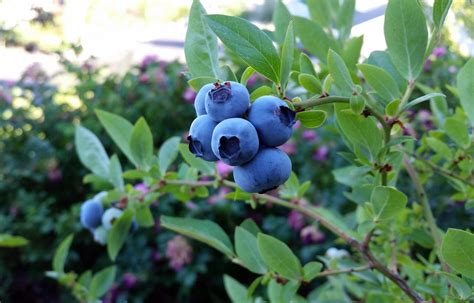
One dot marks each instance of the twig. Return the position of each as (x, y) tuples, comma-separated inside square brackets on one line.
[(363, 249), (343, 271), (316, 101), (426, 208)]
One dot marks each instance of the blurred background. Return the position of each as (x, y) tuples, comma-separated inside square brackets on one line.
[(60, 60)]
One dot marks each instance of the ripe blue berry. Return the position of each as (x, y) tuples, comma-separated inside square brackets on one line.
[(235, 141), (227, 100), (273, 120), (199, 101), (91, 213), (200, 136), (270, 168), (110, 215)]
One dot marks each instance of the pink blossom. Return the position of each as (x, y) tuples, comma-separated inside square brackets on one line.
[(189, 95), (289, 148), (54, 174), (129, 280), (219, 196), (144, 79), (179, 252), (309, 135), (149, 59), (295, 220), (251, 81), (297, 124), (427, 65), (223, 169), (440, 51), (310, 234), (191, 205), (321, 154), (142, 187)]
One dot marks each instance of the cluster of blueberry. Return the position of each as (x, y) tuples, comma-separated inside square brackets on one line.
[(98, 221), (221, 131)]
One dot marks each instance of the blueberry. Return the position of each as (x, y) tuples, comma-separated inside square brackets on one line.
[(227, 100), (235, 141), (110, 215), (200, 136), (91, 213), (273, 120), (270, 168), (100, 235), (199, 101)]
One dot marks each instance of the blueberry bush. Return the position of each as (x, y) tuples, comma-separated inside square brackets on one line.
[(394, 249)]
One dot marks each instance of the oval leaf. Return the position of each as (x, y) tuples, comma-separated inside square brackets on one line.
[(61, 254), (250, 43), (101, 282), (91, 152), (141, 144), (406, 36), (202, 230), (310, 83), (7, 240), (247, 251), (340, 73), (465, 84), (387, 202), (312, 118), (457, 250), (380, 81), (279, 257), (168, 153), (118, 233), (287, 54)]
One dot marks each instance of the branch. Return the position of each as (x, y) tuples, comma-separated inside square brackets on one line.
[(440, 170), (320, 100), (426, 207), (360, 247), (343, 271)]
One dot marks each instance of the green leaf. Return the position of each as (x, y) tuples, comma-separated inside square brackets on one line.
[(118, 128), (251, 226), (457, 250), (422, 99), (313, 38), (335, 219), (198, 163), (406, 36), (310, 83), (198, 82), (7, 240), (102, 281), (247, 251), (312, 118), (382, 59), (85, 278), (144, 217), (306, 65), (236, 291), (357, 104), (340, 73), (61, 254), (261, 91), (200, 46), (279, 293), (387, 202), (439, 147), (281, 19), (457, 130), (118, 233), (141, 144), (202, 230), (115, 173), (248, 72), (311, 270), (320, 11), (228, 74), (168, 153), (392, 108), (287, 53), (380, 81), (440, 11), (250, 43), (254, 286), (359, 130), (462, 288), (469, 204), (351, 52), (279, 257), (465, 84), (344, 19), (91, 152)]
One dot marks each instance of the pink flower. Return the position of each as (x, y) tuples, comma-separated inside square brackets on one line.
[(321, 154), (219, 196), (309, 135), (144, 79), (310, 234), (295, 220), (440, 51), (129, 280), (289, 147), (223, 169), (191, 205), (251, 81), (179, 252), (155, 256), (427, 65), (452, 69), (148, 60), (189, 95), (54, 174), (142, 187), (297, 124)]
